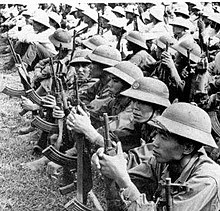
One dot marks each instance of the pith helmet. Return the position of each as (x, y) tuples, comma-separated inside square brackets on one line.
[(81, 56), (188, 121), (150, 90), (54, 16), (140, 38), (61, 36), (91, 13), (119, 10), (195, 50), (181, 22), (163, 40), (131, 9), (41, 17), (95, 41), (157, 12), (126, 71), (184, 11), (105, 54)]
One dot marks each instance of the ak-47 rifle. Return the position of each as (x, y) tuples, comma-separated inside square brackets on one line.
[(135, 21), (12, 50), (74, 44), (59, 101), (13, 92), (45, 126), (170, 188), (113, 199)]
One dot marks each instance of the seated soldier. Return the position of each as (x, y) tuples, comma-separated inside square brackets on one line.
[(149, 98), (177, 153), (140, 45), (102, 57), (122, 76), (39, 45)]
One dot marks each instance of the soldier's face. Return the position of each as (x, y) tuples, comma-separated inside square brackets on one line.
[(82, 70), (166, 148), (142, 111), (115, 85)]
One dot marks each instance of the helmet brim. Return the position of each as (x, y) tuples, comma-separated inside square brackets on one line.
[(57, 43), (184, 130), (146, 97)]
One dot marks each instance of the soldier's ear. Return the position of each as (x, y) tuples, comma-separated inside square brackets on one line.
[(188, 148)]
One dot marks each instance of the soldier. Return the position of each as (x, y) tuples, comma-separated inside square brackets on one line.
[(102, 57), (140, 45), (176, 152), (149, 98)]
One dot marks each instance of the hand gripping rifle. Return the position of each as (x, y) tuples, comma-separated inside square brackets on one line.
[(58, 95), (78, 203), (114, 201)]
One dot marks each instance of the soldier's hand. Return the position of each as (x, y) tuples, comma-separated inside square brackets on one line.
[(184, 73), (49, 101), (28, 104), (79, 122), (58, 113), (167, 60), (114, 167)]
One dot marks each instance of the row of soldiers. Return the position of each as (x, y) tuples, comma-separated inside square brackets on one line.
[(152, 69)]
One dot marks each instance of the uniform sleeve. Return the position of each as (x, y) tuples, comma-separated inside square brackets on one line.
[(136, 201), (203, 195)]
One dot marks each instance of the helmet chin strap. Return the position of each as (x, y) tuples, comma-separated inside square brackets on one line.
[(151, 116)]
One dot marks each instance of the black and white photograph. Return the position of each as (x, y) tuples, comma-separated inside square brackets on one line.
[(109, 105)]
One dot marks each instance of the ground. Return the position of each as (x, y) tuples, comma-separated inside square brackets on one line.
[(22, 189)]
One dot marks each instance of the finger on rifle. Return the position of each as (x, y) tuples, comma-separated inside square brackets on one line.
[(73, 110), (81, 111), (69, 124), (50, 97), (23, 98), (119, 148)]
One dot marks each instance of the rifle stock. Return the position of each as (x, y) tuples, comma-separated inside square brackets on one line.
[(13, 92), (44, 125), (59, 158)]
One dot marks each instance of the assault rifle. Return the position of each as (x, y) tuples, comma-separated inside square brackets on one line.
[(12, 50), (13, 92), (74, 44), (111, 191), (83, 160), (135, 21), (45, 126), (170, 189), (58, 96)]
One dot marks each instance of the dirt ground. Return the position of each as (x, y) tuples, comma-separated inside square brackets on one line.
[(22, 189)]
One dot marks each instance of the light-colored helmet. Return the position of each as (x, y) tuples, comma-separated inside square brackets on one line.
[(63, 37), (41, 17), (183, 11), (105, 54), (149, 90), (132, 9), (54, 16), (162, 41), (81, 56), (95, 41), (195, 50), (91, 13), (181, 22), (119, 10), (140, 38), (187, 120), (126, 71), (157, 12)]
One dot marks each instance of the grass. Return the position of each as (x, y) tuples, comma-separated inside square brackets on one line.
[(22, 189)]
